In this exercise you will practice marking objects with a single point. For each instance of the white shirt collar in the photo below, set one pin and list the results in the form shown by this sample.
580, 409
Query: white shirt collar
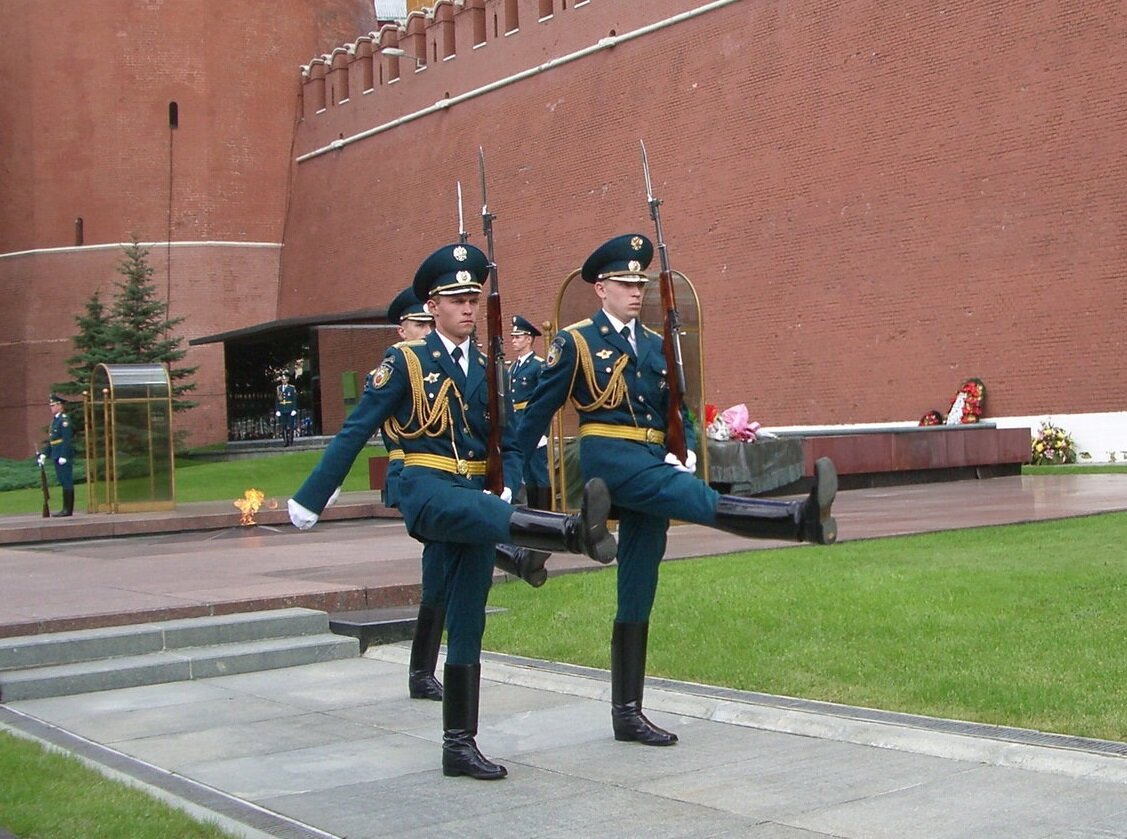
617, 325
465, 345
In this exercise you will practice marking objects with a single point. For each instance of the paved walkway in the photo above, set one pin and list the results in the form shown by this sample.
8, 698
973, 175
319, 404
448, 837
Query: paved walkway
336, 749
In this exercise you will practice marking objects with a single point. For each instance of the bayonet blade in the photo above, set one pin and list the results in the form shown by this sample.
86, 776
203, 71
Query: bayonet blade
646, 170
461, 223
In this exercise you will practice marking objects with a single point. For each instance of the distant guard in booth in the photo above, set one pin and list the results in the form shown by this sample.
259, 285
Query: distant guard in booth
524, 373
613, 370
285, 408
59, 449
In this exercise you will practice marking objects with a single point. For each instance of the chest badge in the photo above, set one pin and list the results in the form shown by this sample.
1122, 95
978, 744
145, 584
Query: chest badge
604, 354
431, 378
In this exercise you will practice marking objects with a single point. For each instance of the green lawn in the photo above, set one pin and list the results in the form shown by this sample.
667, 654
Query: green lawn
48, 794
1020, 625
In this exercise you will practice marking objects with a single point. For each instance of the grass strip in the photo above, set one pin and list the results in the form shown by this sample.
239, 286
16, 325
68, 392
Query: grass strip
48, 794
1019, 625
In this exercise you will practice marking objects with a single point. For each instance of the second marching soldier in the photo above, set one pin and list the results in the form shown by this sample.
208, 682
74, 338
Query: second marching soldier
613, 370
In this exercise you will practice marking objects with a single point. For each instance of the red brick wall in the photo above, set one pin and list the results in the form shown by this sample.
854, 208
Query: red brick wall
357, 349
86, 134
875, 203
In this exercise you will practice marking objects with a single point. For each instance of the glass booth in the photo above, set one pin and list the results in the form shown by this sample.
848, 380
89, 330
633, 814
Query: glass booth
129, 441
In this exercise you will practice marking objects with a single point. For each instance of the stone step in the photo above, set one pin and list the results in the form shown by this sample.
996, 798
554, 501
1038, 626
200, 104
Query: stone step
387, 625
172, 665
56, 648
376, 626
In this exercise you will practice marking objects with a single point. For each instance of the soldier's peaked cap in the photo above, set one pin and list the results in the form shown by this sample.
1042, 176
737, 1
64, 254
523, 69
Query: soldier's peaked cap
406, 306
523, 327
623, 258
452, 269
56, 398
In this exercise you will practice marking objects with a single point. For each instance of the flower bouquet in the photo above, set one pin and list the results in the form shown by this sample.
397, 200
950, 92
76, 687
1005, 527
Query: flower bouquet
732, 424
1053, 445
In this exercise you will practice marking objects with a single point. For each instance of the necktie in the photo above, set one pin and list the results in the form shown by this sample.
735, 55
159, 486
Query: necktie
456, 354
625, 333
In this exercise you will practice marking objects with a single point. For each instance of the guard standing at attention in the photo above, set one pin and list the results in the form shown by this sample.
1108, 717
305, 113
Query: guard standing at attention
285, 407
524, 373
434, 393
614, 371
59, 449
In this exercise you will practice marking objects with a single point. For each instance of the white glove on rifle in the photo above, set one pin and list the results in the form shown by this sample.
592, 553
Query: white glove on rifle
277, 413
301, 518
293, 413
543, 442
690, 464
506, 495
41, 459
333, 498
62, 461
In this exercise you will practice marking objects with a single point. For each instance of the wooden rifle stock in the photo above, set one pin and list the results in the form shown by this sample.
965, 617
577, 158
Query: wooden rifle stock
675, 441
494, 465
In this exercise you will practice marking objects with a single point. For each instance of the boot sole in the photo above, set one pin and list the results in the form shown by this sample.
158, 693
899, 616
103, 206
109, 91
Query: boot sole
826, 475
458, 773
596, 506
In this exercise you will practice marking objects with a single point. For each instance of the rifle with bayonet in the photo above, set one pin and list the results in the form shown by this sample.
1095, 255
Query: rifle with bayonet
675, 441
40, 456
495, 355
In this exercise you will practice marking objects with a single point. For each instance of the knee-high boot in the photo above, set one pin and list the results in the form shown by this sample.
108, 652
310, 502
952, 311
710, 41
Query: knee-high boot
421, 683
524, 563
582, 533
460, 755
68, 504
795, 521
627, 680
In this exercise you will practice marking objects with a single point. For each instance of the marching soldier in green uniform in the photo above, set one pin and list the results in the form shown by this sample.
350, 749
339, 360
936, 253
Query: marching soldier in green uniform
59, 449
285, 407
433, 391
414, 322
614, 371
524, 373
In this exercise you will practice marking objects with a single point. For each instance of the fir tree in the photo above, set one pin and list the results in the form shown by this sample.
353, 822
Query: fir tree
93, 345
139, 330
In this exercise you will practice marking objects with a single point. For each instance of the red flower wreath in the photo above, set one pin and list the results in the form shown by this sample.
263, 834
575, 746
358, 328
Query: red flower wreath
969, 401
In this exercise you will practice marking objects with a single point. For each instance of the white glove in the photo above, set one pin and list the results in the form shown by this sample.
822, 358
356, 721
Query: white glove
41, 459
302, 518
506, 495
62, 461
673, 461
333, 498
543, 442
277, 413
293, 413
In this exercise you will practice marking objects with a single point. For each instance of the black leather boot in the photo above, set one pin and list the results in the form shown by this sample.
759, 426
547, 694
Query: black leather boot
793, 521
460, 755
68, 504
627, 679
524, 563
540, 498
584, 533
421, 683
